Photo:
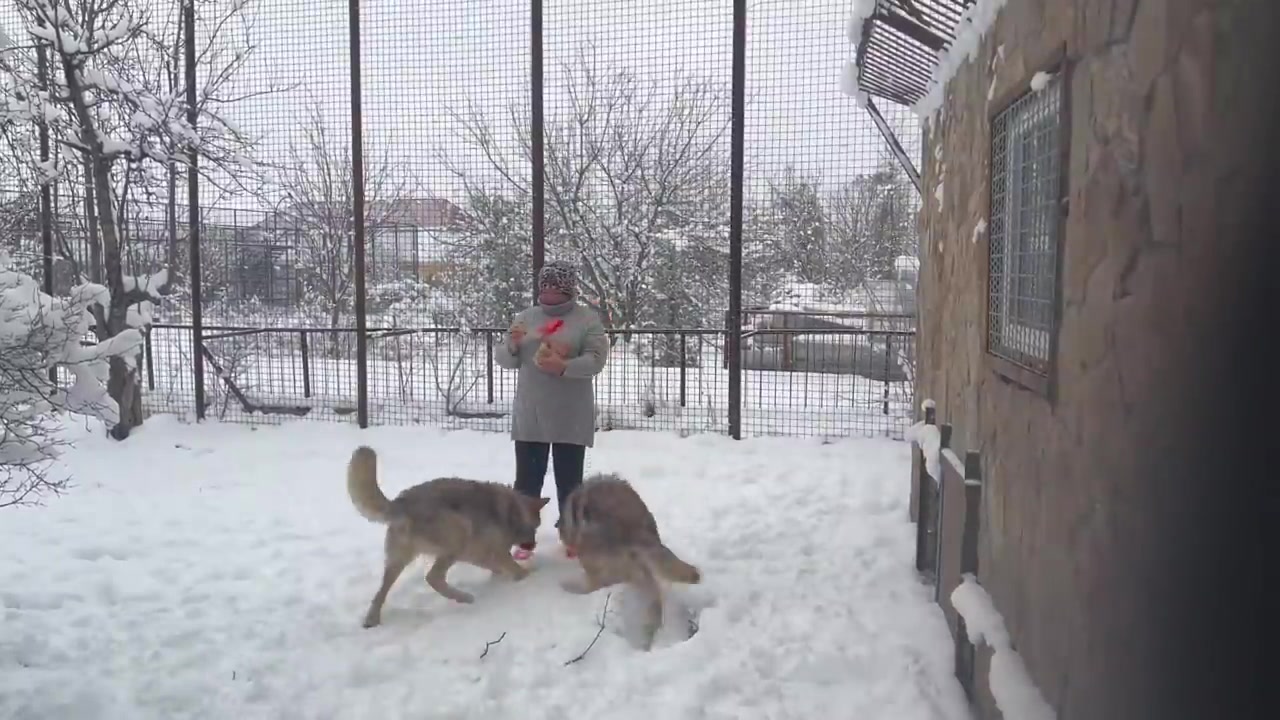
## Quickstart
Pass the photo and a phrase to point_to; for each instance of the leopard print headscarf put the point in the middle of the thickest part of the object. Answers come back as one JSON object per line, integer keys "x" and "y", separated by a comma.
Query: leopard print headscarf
{"x": 559, "y": 275}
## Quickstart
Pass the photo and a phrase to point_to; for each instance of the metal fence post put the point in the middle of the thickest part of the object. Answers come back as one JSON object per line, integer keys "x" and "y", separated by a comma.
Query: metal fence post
{"x": 733, "y": 343}
{"x": 926, "y": 501}
{"x": 357, "y": 194}
{"x": 965, "y": 652}
{"x": 938, "y": 503}
{"x": 46, "y": 192}
{"x": 193, "y": 209}
{"x": 536, "y": 132}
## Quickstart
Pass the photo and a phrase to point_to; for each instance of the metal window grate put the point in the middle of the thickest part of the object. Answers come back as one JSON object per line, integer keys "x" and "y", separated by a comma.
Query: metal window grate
{"x": 1024, "y": 227}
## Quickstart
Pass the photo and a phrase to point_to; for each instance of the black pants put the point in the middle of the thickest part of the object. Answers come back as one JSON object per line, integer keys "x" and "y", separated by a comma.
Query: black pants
{"x": 531, "y": 468}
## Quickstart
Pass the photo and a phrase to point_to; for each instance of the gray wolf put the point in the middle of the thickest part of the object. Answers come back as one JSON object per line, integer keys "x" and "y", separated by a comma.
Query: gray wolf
{"x": 616, "y": 539}
{"x": 452, "y": 519}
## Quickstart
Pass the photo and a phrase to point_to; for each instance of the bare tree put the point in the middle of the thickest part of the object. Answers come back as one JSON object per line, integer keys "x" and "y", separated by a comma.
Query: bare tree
{"x": 871, "y": 223}
{"x": 449, "y": 357}
{"x": 636, "y": 171}
{"x": 122, "y": 126}
{"x": 317, "y": 189}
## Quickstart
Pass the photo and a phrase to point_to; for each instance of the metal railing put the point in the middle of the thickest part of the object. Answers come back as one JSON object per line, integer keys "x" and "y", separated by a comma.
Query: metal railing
{"x": 796, "y": 381}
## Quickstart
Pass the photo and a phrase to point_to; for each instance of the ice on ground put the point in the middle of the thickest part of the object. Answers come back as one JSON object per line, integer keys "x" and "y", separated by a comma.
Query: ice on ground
{"x": 218, "y": 571}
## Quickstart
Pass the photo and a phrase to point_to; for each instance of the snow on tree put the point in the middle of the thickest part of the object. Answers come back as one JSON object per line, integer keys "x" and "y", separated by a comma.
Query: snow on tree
{"x": 117, "y": 124}
{"x": 797, "y": 208}
{"x": 492, "y": 257}
{"x": 872, "y": 222}
{"x": 834, "y": 237}
{"x": 39, "y": 333}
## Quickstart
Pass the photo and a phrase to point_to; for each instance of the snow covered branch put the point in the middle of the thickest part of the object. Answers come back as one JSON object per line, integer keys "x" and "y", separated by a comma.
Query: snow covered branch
{"x": 105, "y": 80}
{"x": 39, "y": 333}
{"x": 113, "y": 89}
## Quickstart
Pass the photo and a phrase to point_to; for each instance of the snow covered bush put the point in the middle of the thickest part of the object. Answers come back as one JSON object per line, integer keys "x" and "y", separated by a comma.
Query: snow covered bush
{"x": 39, "y": 333}
{"x": 109, "y": 96}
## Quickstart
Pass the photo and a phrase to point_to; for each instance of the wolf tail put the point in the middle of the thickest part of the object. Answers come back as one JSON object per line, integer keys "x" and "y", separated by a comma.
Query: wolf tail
{"x": 665, "y": 564}
{"x": 362, "y": 486}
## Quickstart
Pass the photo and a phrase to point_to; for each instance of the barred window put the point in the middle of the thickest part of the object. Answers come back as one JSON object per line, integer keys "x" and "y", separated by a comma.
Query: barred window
{"x": 1025, "y": 227}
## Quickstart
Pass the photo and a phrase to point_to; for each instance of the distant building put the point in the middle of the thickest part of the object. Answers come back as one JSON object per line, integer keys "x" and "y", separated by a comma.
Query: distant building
{"x": 405, "y": 239}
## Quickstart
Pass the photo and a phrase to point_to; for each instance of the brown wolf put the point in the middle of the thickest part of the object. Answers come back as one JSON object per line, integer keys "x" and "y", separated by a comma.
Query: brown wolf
{"x": 616, "y": 539}
{"x": 452, "y": 519}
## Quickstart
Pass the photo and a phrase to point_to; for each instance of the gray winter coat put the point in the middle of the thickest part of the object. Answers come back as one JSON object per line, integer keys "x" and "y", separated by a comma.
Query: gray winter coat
{"x": 556, "y": 408}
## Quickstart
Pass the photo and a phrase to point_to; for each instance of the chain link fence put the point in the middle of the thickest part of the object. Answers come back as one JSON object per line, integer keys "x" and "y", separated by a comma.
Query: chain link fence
{"x": 740, "y": 225}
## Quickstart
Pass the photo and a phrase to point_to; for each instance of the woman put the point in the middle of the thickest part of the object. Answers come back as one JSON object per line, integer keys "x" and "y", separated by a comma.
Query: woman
{"x": 558, "y": 345}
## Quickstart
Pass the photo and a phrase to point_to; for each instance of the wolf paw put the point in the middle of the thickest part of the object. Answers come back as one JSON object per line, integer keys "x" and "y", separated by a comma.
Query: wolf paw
{"x": 463, "y": 597}
{"x": 371, "y": 621}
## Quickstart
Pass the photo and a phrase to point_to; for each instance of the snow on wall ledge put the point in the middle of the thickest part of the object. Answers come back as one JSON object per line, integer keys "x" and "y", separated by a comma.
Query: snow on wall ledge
{"x": 929, "y": 438}
{"x": 1016, "y": 696}
{"x": 862, "y": 9}
{"x": 975, "y": 21}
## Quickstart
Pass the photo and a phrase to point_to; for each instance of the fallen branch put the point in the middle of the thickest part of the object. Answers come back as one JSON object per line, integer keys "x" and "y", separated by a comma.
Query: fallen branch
{"x": 604, "y": 612}
{"x": 491, "y": 643}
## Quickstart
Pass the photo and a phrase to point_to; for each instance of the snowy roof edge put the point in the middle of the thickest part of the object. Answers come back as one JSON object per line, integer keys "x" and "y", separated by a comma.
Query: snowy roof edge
{"x": 898, "y": 43}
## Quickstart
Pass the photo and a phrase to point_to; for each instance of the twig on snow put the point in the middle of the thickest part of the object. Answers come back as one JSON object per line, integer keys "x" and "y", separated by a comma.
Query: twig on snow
{"x": 491, "y": 643}
{"x": 604, "y": 612}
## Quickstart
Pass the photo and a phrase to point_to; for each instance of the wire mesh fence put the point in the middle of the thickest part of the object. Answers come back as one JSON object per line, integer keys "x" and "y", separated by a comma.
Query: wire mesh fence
{"x": 829, "y": 230}
{"x": 489, "y": 137}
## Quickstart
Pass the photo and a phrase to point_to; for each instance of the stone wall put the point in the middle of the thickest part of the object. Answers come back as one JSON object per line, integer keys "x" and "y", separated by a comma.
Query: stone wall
{"x": 1159, "y": 128}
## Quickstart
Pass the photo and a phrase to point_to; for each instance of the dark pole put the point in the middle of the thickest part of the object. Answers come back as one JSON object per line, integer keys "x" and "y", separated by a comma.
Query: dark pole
{"x": 357, "y": 195}
{"x": 894, "y": 146}
{"x": 46, "y": 192}
{"x": 536, "y": 139}
{"x": 171, "y": 254}
{"x": 193, "y": 208}
{"x": 733, "y": 344}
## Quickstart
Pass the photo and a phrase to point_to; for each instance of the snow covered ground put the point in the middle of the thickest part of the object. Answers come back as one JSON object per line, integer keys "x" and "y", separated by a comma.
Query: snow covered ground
{"x": 220, "y": 572}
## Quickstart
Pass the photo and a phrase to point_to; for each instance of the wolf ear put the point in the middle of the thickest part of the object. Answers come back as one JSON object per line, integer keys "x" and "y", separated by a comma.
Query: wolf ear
{"x": 540, "y": 503}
